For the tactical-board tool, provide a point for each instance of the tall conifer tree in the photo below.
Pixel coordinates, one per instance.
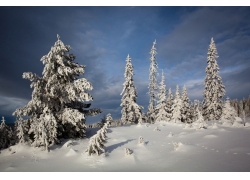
(214, 89)
(131, 111)
(169, 105)
(152, 84)
(185, 110)
(161, 106)
(176, 107)
(57, 108)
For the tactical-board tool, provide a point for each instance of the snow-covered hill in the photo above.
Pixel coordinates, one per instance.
(217, 148)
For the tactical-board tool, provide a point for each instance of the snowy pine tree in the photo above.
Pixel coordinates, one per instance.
(195, 110)
(176, 107)
(131, 111)
(200, 120)
(185, 110)
(96, 142)
(161, 106)
(244, 118)
(22, 129)
(109, 119)
(228, 113)
(214, 89)
(57, 108)
(169, 105)
(152, 84)
(241, 108)
(6, 135)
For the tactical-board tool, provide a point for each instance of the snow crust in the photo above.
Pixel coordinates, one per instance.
(173, 149)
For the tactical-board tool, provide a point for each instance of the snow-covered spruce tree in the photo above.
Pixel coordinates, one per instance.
(244, 118)
(161, 106)
(22, 129)
(169, 105)
(102, 122)
(228, 113)
(195, 109)
(200, 120)
(241, 108)
(109, 119)
(6, 135)
(152, 84)
(214, 89)
(58, 99)
(131, 111)
(96, 142)
(185, 110)
(176, 107)
(235, 104)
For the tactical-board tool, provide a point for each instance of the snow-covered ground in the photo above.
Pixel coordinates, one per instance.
(215, 149)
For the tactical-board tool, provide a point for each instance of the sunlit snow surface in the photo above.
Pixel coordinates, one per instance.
(217, 148)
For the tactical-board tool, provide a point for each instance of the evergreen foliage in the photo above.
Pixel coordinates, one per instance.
(200, 120)
(169, 104)
(185, 110)
(152, 84)
(57, 108)
(228, 113)
(96, 142)
(214, 89)
(22, 129)
(109, 119)
(176, 107)
(6, 135)
(161, 106)
(131, 111)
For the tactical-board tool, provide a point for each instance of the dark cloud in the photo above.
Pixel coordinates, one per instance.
(184, 51)
(102, 37)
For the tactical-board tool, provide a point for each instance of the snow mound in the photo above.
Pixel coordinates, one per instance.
(238, 119)
(177, 145)
(227, 124)
(247, 124)
(237, 124)
(157, 129)
(170, 134)
(128, 151)
(71, 152)
(139, 125)
(214, 126)
(210, 136)
(183, 133)
(68, 144)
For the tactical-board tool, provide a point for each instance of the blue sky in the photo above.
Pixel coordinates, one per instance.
(102, 37)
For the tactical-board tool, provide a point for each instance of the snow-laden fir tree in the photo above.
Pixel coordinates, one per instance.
(161, 103)
(235, 104)
(241, 108)
(195, 109)
(176, 107)
(228, 112)
(131, 111)
(185, 110)
(214, 89)
(103, 121)
(244, 118)
(6, 135)
(200, 120)
(152, 84)
(96, 142)
(169, 104)
(57, 108)
(22, 129)
(109, 119)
